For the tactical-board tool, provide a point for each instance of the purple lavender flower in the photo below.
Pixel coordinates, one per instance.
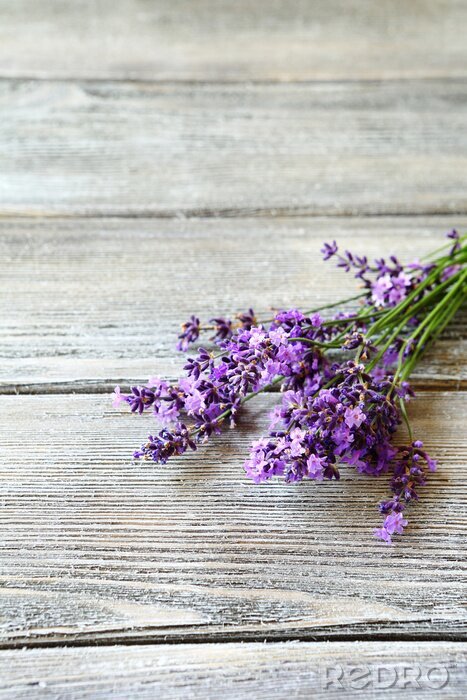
(408, 477)
(380, 288)
(166, 444)
(247, 319)
(189, 334)
(390, 289)
(329, 249)
(333, 414)
(394, 523)
(200, 364)
(223, 327)
(316, 467)
(350, 423)
(354, 416)
(449, 272)
(118, 397)
(290, 318)
(316, 320)
(454, 236)
(387, 283)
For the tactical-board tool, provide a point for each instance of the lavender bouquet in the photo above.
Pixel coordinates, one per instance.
(343, 379)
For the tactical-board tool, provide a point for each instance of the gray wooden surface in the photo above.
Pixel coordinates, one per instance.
(98, 548)
(162, 158)
(105, 297)
(337, 147)
(238, 671)
(205, 40)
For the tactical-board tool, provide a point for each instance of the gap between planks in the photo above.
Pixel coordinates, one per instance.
(91, 387)
(240, 213)
(177, 638)
(220, 82)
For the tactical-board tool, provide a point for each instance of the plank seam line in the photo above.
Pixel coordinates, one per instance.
(453, 386)
(244, 213)
(240, 82)
(395, 637)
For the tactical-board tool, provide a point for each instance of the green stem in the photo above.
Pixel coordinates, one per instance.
(337, 303)
(435, 311)
(342, 302)
(406, 418)
(317, 343)
(386, 346)
(407, 302)
(443, 247)
(433, 331)
(429, 296)
(435, 320)
(358, 317)
(436, 326)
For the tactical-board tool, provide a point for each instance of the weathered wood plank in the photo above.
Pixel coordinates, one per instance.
(95, 547)
(242, 40)
(88, 303)
(169, 150)
(238, 671)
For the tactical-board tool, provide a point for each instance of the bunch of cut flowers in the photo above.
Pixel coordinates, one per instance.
(342, 370)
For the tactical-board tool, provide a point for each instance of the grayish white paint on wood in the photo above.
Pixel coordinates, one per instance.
(241, 40)
(96, 546)
(237, 671)
(88, 303)
(134, 149)
(154, 112)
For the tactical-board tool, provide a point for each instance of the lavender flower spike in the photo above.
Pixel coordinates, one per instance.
(343, 378)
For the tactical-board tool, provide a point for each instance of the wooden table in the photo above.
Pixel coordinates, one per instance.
(161, 158)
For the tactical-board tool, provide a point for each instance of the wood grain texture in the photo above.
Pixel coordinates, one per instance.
(238, 671)
(168, 150)
(96, 547)
(241, 40)
(180, 120)
(89, 303)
